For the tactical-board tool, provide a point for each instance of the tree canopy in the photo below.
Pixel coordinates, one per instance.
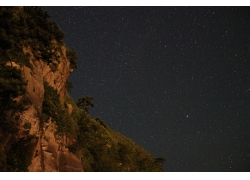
(85, 102)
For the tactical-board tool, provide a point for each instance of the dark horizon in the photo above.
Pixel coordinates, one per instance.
(173, 79)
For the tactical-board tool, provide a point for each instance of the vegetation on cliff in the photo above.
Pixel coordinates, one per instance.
(12, 85)
(25, 27)
(53, 109)
(97, 146)
(102, 149)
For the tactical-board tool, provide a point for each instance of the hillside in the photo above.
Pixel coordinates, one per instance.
(41, 127)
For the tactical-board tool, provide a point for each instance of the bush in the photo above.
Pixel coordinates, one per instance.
(28, 26)
(69, 85)
(12, 85)
(106, 150)
(53, 108)
(99, 120)
(20, 154)
(72, 56)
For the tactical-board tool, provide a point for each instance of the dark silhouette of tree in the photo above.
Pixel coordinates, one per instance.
(160, 160)
(85, 102)
(72, 55)
(69, 85)
(101, 122)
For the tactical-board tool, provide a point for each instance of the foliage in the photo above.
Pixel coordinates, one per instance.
(53, 108)
(85, 102)
(11, 46)
(12, 85)
(98, 147)
(16, 161)
(69, 85)
(76, 113)
(72, 56)
(101, 122)
(19, 156)
(23, 27)
(102, 149)
(30, 27)
(160, 160)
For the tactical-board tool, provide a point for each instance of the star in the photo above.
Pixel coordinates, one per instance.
(158, 62)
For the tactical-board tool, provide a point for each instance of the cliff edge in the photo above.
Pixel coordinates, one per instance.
(41, 127)
(27, 144)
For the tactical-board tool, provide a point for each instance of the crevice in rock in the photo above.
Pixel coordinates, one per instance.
(42, 154)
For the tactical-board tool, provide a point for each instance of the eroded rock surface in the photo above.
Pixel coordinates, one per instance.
(45, 150)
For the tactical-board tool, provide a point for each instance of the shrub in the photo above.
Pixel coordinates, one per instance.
(106, 150)
(19, 156)
(28, 26)
(53, 108)
(72, 56)
(12, 85)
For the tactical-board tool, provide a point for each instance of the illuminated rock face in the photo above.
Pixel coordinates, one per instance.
(44, 150)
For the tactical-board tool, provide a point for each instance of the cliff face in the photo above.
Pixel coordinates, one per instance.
(43, 71)
(43, 149)
(41, 127)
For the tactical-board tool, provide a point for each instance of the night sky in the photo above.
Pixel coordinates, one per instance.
(176, 80)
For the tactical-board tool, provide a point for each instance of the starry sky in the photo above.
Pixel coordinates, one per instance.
(176, 80)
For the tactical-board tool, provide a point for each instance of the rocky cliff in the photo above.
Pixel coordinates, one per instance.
(44, 150)
(41, 127)
(29, 145)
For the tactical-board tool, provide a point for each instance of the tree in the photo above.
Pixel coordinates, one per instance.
(101, 122)
(160, 160)
(69, 85)
(85, 102)
(72, 55)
